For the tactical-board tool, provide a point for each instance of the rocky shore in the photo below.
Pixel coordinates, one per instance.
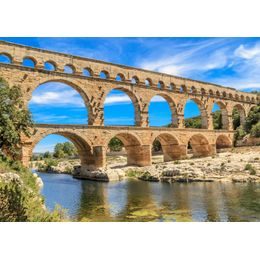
(234, 165)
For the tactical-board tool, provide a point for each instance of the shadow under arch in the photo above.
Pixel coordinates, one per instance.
(74, 86)
(133, 147)
(242, 115)
(223, 141)
(200, 145)
(203, 111)
(84, 149)
(171, 148)
(135, 103)
(172, 106)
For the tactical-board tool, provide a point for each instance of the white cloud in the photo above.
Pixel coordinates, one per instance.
(115, 99)
(247, 53)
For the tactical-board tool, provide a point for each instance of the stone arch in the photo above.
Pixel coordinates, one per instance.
(223, 141)
(133, 147)
(193, 90)
(86, 99)
(120, 77)
(200, 145)
(69, 68)
(224, 115)
(83, 146)
(87, 72)
(135, 102)
(148, 82)
(7, 56)
(135, 80)
(32, 61)
(203, 112)
(104, 74)
(242, 114)
(173, 108)
(171, 148)
(50, 63)
(160, 84)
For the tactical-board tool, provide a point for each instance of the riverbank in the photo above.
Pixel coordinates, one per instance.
(239, 164)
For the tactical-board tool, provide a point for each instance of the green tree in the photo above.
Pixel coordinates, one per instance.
(115, 144)
(217, 120)
(157, 145)
(236, 118)
(193, 122)
(15, 119)
(255, 131)
(47, 155)
(69, 149)
(252, 119)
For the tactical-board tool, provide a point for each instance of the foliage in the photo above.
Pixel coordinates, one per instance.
(255, 131)
(252, 119)
(157, 146)
(239, 133)
(115, 145)
(47, 155)
(217, 120)
(21, 200)
(249, 167)
(63, 150)
(236, 118)
(15, 119)
(47, 165)
(193, 122)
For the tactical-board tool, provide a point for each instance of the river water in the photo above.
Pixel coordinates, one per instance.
(133, 200)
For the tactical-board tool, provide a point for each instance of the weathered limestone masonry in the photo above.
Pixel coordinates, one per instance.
(141, 86)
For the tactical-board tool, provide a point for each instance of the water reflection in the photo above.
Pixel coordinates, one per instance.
(132, 200)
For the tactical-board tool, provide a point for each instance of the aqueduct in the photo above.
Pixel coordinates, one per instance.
(94, 79)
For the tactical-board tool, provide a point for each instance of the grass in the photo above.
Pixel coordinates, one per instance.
(249, 167)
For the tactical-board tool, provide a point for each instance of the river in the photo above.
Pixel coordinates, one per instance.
(133, 200)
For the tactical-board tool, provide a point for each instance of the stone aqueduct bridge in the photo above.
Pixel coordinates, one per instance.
(141, 86)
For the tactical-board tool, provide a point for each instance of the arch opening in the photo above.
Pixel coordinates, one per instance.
(58, 146)
(223, 142)
(220, 116)
(134, 80)
(87, 72)
(162, 111)
(29, 62)
(69, 69)
(5, 58)
(198, 146)
(56, 102)
(124, 149)
(104, 74)
(121, 107)
(120, 77)
(238, 116)
(49, 65)
(166, 147)
(195, 114)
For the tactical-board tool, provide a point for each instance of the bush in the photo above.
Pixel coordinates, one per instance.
(255, 131)
(250, 168)
(239, 133)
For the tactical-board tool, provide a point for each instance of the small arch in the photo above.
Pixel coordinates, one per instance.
(217, 93)
(224, 94)
(29, 62)
(172, 87)
(193, 90)
(236, 97)
(120, 77)
(69, 69)
(230, 95)
(203, 91)
(242, 97)
(183, 89)
(104, 74)
(135, 80)
(5, 58)
(160, 85)
(248, 98)
(211, 92)
(253, 99)
(87, 72)
(148, 82)
(199, 145)
(50, 65)
(222, 142)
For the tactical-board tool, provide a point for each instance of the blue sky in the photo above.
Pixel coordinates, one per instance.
(233, 62)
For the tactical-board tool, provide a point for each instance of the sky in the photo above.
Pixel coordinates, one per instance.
(233, 62)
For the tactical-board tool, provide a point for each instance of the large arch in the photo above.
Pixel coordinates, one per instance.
(71, 84)
(87, 159)
(223, 141)
(224, 121)
(134, 149)
(134, 100)
(202, 109)
(172, 106)
(171, 148)
(239, 115)
(200, 145)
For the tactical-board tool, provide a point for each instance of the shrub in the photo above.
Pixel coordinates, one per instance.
(255, 131)
(249, 167)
